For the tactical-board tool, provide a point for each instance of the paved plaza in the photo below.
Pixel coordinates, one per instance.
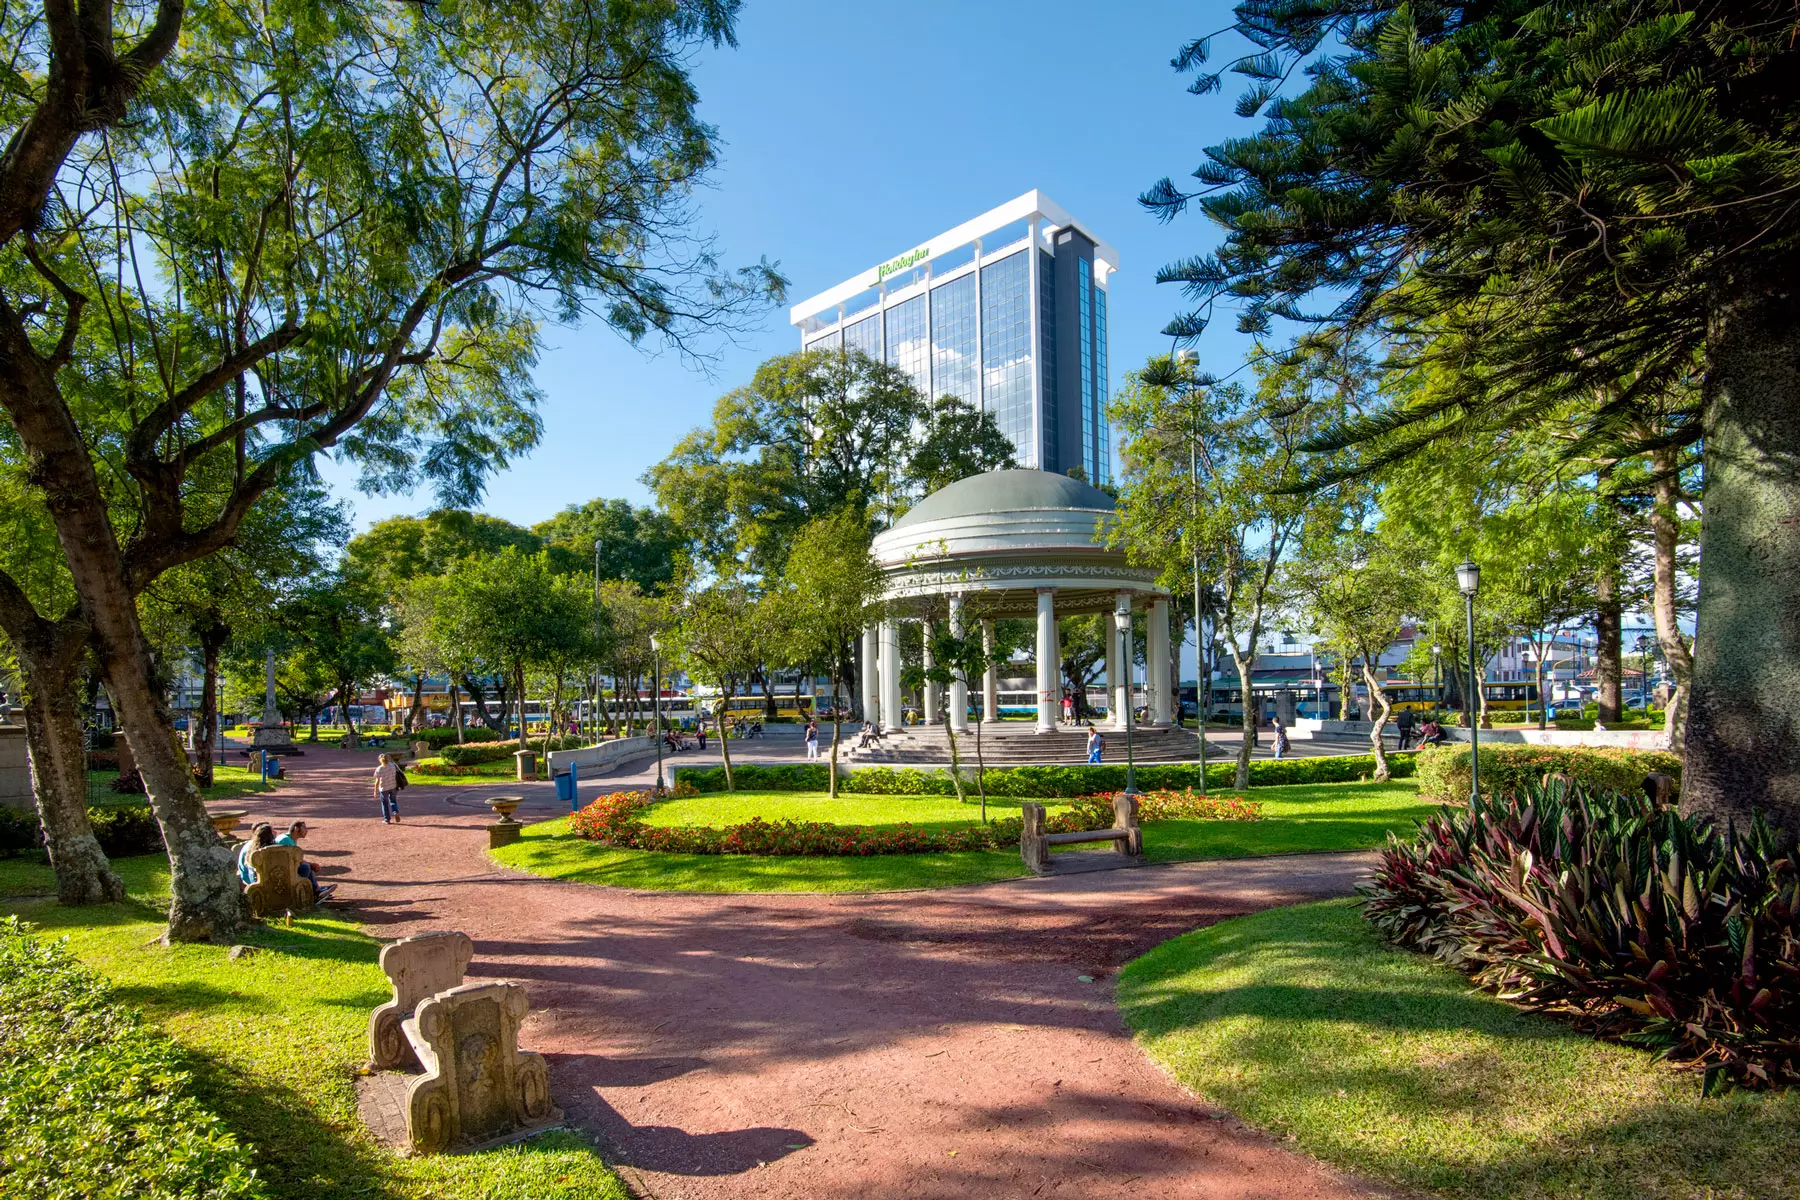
(907, 1044)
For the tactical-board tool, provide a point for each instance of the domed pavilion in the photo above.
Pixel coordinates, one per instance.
(1013, 544)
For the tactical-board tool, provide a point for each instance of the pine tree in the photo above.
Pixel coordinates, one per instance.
(1564, 197)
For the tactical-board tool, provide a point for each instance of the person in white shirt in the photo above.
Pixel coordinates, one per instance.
(387, 789)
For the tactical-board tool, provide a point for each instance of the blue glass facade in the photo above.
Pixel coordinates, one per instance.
(953, 341)
(909, 341)
(1011, 321)
(1006, 349)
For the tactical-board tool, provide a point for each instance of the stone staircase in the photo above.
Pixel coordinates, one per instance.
(1014, 743)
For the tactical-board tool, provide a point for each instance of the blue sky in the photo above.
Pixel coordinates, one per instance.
(852, 132)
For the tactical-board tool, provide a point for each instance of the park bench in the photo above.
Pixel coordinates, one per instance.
(279, 886)
(1126, 834)
(474, 1085)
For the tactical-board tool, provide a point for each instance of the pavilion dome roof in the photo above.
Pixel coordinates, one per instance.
(1005, 492)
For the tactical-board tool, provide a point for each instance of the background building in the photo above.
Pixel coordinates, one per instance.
(1006, 312)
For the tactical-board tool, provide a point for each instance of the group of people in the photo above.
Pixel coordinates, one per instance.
(263, 834)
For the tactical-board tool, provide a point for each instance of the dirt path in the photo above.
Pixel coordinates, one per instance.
(914, 1044)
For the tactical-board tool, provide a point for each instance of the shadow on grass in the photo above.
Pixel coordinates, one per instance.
(1382, 1061)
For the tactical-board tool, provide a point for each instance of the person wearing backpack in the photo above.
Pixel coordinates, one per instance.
(389, 779)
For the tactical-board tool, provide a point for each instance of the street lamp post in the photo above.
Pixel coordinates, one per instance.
(1437, 671)
(1643, 646)
(1468, 581)
(1130, 760)
(656, 707)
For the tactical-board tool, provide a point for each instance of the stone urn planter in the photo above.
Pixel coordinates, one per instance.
(225, 820)
(505, 831)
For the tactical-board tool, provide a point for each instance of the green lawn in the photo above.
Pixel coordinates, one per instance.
(276, 1039)
(228, 784)
(1301, 1020)
(1332, 816)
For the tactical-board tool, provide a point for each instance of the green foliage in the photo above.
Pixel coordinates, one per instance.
(1041, 782)
(1636, 921)
(492, 750)
(639, 545)
(1444, 770)
(1389, 1066)
(122, 829)
(96, 1106)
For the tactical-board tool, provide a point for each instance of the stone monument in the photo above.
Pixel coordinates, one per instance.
(478, 1086)
(271, 734)
(417, 967)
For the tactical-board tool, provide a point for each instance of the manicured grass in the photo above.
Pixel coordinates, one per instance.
(276, 1039)
(228, 784)
(1306, 817)
(1301, 1020)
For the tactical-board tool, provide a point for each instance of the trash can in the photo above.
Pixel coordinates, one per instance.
(565, 785)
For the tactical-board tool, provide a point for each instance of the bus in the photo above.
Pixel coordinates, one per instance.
(1404, 695)
(1510, 695)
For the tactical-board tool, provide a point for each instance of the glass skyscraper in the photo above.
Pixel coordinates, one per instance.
(1006, 312)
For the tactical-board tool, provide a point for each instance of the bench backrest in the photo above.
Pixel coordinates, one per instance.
(425, 964)
(278, 886)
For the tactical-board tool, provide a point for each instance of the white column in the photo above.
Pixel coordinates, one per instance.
(1121, 635)
(890, 676)
(928, 690)
(990, 680)
(871, 682)
(1057, 673)
(959, 690)
(1048, 695)
(1157, 673)
(1110, 631)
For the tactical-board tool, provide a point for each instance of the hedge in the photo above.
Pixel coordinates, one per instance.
(493, 751)
(1042, 782)
(122, 830)
(92, 1103)
(1444, 770)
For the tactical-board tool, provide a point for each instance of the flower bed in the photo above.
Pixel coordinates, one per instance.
(617, 820)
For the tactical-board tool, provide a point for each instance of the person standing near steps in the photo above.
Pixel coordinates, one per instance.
(387, 789)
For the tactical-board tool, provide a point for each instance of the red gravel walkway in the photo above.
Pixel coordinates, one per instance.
(910, 1044)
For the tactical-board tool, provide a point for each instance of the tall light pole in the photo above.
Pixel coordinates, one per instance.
(1643, 647)
(594, 716)
(1125, 658)
(1468, 582)
(1202, 683)
(656, 707)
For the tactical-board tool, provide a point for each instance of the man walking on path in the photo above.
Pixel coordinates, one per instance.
(1404, 723)
(1094, 744)
(387, 789)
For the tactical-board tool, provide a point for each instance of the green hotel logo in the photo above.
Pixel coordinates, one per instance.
(901, 263)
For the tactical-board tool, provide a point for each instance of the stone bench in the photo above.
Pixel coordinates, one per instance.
(1126, 834)
(478, 1087)
(417, 967)
(279, 886)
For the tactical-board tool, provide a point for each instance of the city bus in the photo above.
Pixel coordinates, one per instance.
(1502, 696)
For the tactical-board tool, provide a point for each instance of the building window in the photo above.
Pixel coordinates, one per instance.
(953, 340)
(1047, 358)
(1084, 285)
(831, 341)
(865, 335)
(908, 346)
(1100, 388)
(1006, 350)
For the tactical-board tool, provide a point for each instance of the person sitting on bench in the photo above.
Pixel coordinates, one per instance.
(295, 831)
(869, 734)
(1431, 734)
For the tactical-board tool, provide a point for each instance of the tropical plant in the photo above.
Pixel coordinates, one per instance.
(1624, 915)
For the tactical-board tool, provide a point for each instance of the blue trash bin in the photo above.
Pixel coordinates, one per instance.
(565, 786)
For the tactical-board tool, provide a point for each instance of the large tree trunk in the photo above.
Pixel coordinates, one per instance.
(204, 902)
(212, 640)
(1665, 536)
(1743, 736)
(58, 758)
(415, 719)
(722, 708)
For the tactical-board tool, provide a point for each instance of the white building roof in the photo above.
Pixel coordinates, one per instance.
(1032, 203)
